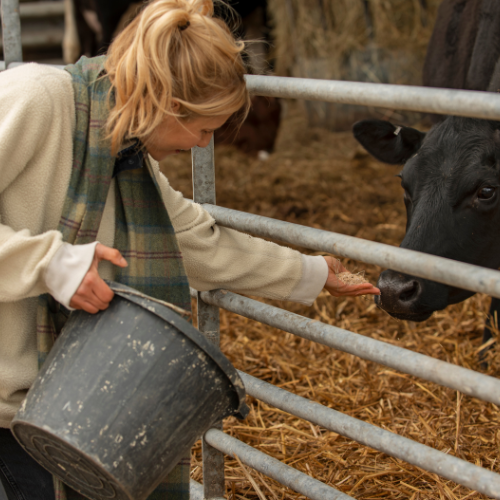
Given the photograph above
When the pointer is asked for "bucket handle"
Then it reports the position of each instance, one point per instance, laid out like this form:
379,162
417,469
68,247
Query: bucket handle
177,309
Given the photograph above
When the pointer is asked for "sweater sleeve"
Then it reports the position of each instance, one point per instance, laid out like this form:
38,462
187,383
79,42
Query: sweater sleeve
23,261
26,114
219,257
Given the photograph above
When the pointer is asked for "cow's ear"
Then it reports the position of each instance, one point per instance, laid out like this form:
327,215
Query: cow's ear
386,142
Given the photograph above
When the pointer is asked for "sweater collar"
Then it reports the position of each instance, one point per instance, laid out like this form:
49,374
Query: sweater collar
130,157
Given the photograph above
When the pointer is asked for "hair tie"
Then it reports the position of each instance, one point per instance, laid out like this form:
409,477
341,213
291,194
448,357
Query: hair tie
185,26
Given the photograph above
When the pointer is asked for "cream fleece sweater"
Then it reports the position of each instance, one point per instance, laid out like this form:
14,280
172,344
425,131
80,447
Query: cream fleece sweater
37,120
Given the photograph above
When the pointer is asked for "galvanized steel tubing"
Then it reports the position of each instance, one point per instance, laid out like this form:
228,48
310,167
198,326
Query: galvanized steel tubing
294,479
11,32
41,9
208,316
455,377
204,174
429,459
475,104
451,272
405,97
16,64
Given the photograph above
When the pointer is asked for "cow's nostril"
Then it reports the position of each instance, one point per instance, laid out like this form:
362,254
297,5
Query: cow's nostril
409,292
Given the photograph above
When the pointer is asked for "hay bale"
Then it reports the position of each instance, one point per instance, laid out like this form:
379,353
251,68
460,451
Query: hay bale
381,41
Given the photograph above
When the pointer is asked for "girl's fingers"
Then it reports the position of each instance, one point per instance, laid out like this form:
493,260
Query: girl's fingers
371,290
97,302
102,292
84,305
103,252
353,290
92,297
89,302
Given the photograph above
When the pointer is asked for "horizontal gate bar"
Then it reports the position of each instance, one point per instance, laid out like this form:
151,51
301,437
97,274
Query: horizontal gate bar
52,37
451,272
422,456
16,64
476,104
404,97
284,474
41,9
440,372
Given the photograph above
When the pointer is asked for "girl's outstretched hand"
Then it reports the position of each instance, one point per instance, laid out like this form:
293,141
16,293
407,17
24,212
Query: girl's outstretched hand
94,294
337,288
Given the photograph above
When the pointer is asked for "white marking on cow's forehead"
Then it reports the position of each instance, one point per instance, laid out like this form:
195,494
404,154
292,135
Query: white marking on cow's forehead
398,129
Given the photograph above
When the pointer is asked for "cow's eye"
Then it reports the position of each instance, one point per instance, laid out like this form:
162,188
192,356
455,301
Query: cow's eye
486,193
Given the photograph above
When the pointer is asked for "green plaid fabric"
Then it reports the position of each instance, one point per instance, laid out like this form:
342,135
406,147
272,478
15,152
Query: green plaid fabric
143,234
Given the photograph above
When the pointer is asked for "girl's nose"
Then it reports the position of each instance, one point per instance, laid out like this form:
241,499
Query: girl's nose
205,140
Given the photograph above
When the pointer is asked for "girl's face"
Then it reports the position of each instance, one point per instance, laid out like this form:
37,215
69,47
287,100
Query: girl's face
174,135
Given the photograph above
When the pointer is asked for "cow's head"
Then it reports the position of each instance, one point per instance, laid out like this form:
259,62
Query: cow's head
451,183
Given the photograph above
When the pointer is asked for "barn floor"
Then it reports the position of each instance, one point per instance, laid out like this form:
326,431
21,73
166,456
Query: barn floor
324,180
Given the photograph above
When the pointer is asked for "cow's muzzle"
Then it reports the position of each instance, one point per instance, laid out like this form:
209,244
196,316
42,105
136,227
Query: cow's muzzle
408,297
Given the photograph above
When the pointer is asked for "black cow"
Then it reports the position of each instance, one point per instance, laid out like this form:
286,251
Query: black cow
451,183
451,176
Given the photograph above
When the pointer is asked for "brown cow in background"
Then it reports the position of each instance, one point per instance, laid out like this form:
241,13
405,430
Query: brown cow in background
464,49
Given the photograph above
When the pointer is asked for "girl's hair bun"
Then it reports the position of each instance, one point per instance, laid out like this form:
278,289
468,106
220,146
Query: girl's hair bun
152,63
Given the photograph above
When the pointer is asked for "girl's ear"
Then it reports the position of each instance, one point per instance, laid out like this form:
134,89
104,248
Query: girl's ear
175,105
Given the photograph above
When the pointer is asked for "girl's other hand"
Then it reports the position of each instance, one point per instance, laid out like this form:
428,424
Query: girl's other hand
94,294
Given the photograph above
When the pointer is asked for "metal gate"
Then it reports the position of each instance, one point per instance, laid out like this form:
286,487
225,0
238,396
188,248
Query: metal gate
215,442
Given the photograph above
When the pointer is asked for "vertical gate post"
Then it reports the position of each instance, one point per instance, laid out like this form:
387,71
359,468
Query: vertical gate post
208,317
11,32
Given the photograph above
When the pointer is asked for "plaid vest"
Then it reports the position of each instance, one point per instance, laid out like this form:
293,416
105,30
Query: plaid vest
143,231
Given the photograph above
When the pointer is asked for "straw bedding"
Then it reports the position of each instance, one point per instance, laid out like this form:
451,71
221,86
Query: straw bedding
324,180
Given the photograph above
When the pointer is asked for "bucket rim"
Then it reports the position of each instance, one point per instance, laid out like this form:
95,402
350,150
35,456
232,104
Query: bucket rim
177,321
